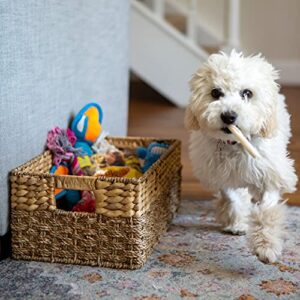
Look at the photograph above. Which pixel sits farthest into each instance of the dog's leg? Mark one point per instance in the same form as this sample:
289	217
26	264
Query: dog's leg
266	221
233	210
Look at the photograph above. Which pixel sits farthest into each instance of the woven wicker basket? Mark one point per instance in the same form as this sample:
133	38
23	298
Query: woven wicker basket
131	214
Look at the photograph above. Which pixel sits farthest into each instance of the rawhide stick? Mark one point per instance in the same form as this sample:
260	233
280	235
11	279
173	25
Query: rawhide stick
243	140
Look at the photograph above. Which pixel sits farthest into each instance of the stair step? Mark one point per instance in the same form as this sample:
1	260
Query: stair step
179	22
162	56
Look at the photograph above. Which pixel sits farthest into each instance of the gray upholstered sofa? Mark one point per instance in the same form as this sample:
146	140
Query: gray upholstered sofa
55	56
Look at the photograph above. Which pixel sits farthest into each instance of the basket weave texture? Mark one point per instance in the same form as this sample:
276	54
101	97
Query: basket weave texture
131	214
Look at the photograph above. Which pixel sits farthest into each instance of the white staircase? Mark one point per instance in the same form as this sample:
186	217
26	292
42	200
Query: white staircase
165	57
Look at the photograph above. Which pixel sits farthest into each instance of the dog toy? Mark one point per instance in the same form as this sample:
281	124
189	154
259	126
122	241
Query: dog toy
243	140
84	161
98	160
87	128
87	123
85	148
75	167
66	199
102	145
115	158
88	165
59	170
69	200
61	143
151	154
119	171
86	204
133	162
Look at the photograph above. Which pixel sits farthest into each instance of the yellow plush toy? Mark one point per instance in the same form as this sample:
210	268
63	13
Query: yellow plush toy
119	171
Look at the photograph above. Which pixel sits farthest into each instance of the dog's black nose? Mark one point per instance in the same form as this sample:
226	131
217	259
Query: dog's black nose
229	117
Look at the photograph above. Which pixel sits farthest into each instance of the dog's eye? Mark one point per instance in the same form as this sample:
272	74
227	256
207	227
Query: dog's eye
246	94
216	93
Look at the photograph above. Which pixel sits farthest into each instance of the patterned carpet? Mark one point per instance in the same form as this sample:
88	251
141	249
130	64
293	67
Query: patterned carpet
192	261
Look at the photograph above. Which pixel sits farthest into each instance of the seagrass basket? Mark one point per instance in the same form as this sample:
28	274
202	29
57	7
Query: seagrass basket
131	214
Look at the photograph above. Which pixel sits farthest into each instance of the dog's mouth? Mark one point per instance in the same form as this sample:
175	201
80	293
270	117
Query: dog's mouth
226	130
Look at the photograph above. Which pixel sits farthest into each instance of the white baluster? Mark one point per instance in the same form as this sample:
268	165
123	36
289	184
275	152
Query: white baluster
159	8
192	20
233	25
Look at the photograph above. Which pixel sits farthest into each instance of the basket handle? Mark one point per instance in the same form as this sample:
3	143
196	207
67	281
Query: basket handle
82	183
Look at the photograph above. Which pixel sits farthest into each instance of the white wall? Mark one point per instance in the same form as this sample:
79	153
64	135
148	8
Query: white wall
272	27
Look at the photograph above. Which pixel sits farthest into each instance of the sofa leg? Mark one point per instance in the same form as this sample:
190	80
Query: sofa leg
5	246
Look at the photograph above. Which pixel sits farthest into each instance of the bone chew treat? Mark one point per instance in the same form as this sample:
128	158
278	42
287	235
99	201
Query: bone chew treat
242	139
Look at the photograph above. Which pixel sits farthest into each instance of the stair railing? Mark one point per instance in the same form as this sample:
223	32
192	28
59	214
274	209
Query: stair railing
232	30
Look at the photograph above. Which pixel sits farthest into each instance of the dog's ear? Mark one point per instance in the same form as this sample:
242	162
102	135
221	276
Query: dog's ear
270	126
197	83
190	121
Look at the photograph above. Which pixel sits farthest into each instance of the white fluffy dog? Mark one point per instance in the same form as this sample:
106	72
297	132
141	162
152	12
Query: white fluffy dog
242	91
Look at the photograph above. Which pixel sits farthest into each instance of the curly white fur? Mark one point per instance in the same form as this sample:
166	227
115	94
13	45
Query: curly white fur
228	168
233	213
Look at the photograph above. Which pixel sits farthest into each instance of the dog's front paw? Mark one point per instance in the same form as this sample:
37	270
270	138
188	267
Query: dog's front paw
236	229
268	254
266	232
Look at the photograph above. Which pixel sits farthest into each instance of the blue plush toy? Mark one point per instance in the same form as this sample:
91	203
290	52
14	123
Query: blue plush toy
87	124
87	127
151	154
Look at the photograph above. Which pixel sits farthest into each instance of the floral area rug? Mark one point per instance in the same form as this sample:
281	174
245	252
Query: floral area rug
193	260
